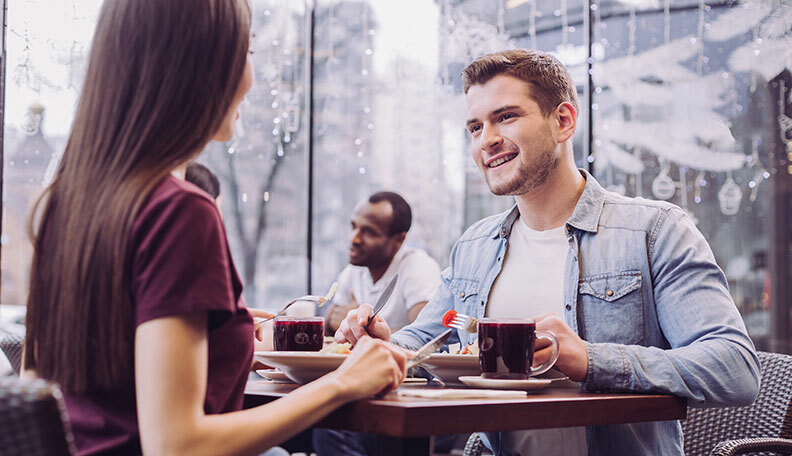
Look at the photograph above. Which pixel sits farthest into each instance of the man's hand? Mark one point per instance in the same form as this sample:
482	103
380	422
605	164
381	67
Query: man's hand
573	358
338	312
352	328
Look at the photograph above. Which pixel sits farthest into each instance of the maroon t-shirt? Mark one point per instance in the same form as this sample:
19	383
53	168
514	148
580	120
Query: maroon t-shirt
181	264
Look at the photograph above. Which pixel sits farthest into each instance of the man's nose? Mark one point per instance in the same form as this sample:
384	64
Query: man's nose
492	138
354	237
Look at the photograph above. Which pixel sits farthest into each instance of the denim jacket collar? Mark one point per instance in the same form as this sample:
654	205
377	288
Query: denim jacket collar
585	217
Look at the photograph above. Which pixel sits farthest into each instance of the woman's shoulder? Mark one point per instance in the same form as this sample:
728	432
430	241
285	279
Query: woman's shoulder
174	200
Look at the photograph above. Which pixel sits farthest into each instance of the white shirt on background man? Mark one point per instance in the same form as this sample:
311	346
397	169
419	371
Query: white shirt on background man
419	276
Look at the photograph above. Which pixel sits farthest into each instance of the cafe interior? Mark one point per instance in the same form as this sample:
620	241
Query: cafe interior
687	102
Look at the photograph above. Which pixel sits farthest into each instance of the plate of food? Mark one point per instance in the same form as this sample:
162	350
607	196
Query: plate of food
457	362
305	366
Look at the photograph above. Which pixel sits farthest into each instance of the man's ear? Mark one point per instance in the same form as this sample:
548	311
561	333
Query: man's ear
398	239
566	116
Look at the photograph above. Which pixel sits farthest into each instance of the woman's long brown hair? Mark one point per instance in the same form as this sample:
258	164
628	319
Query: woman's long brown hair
161	77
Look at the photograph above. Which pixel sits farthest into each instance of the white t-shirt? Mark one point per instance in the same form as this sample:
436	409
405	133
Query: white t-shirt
531	283
419	276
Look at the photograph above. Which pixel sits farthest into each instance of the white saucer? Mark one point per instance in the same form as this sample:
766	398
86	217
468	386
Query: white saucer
506	384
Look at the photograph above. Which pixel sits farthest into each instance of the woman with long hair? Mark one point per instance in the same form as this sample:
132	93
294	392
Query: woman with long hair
134	305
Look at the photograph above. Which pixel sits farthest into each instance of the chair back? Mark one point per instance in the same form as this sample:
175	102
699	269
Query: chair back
769	416
33	420
11	344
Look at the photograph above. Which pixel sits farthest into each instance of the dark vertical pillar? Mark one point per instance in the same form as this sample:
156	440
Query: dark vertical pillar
309	50
588	88
781	216
4	12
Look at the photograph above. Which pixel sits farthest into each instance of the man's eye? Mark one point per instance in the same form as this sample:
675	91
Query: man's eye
474	129
507	116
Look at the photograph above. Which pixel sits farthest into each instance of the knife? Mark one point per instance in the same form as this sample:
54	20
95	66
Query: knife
430	347
382	299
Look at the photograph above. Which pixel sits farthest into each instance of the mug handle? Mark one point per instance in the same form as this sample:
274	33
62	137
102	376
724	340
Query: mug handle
549	335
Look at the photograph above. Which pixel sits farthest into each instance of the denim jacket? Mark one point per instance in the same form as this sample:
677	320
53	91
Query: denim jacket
643	291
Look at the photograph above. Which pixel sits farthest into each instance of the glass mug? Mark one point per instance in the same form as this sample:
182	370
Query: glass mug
298	333
506	348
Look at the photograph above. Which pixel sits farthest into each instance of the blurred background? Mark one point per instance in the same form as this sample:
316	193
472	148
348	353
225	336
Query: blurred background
684	100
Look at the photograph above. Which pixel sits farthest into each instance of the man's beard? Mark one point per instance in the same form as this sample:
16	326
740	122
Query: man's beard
528	176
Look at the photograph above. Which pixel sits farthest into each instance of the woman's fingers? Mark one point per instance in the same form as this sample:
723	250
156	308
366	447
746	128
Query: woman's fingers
258	313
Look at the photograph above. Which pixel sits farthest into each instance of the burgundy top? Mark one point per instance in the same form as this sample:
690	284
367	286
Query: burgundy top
181	264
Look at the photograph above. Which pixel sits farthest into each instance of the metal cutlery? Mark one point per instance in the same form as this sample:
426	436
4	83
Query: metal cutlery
432	346
320	300
453	319
383	299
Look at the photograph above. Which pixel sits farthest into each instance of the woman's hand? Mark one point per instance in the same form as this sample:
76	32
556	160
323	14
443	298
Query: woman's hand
262	336
373	367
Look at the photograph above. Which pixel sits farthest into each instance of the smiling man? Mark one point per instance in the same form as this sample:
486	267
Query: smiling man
629	286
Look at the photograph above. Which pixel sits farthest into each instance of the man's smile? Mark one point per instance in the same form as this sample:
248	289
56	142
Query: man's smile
500	159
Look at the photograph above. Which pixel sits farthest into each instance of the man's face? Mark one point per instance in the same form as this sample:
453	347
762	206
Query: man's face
370	242
513	144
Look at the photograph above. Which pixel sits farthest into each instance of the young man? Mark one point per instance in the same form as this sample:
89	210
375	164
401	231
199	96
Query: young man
629	285
376	252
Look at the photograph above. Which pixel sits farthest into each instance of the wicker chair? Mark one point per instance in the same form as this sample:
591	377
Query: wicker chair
764	426
33	419
11	344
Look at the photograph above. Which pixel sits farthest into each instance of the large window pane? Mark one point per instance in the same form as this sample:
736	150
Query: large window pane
262	170
44	71
683	113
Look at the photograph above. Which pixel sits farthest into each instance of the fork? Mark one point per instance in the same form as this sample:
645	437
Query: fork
320	300
453	319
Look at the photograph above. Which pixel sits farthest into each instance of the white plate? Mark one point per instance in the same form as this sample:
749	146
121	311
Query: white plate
450	367
275	375
301	367
506	384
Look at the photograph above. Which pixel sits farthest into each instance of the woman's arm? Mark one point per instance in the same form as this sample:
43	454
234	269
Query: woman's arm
171	362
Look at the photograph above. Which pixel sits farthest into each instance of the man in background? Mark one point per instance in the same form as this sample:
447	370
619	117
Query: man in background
200	176
376	252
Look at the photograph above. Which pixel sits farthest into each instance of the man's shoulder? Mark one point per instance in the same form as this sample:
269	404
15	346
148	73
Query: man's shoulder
485	228
350	273
638	213
411	257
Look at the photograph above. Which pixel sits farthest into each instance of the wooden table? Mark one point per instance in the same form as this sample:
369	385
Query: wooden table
413	420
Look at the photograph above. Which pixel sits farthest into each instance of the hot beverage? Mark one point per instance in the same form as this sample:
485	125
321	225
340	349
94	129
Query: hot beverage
298	333
506	348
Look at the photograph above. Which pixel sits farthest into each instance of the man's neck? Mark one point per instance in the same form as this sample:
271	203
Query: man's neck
378	271
551	205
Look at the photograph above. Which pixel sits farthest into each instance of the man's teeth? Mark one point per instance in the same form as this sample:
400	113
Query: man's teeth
502	160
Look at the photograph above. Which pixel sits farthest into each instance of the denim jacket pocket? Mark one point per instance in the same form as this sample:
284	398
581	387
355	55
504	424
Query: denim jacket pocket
612	306
465	294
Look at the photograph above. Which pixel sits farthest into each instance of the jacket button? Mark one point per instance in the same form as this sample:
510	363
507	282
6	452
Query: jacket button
568	228
462	295
568	307
609	293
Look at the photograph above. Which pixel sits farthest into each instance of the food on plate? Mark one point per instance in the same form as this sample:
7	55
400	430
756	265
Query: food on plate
457	349
337	349
448	316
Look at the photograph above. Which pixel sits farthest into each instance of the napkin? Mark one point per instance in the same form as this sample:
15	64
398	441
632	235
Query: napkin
451	393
